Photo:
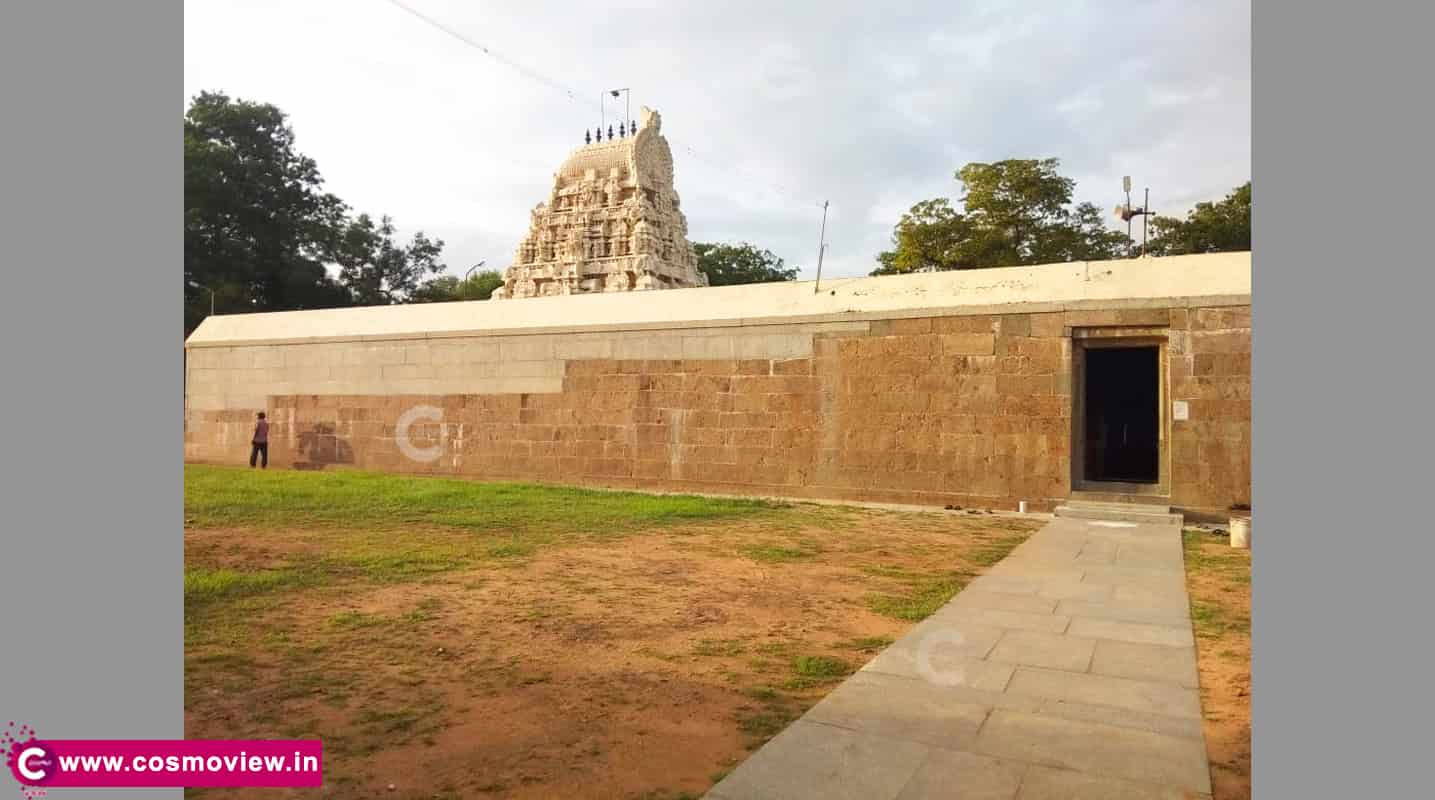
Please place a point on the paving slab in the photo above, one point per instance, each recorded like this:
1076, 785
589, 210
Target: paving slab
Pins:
1013, 620
1050, 650
1068, 671
822, 762
1124, 612
1046, 783
900, 708
1151, 697
1146, 662
1140, 632
1102, 750
964, 775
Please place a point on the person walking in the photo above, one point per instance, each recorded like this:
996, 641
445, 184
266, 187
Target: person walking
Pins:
260, 443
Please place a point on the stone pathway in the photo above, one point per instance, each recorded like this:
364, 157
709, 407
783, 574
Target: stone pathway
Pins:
1068, 671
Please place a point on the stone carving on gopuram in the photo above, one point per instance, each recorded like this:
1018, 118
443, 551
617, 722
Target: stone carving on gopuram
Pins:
611, 224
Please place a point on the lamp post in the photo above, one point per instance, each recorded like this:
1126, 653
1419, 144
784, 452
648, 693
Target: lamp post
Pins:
472, 268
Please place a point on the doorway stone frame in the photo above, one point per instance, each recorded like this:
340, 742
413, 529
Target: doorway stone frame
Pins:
1108, 337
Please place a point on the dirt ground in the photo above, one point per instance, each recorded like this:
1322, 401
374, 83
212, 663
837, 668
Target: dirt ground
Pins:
1218, 579
641, 666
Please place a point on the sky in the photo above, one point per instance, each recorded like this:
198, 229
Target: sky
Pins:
771, 108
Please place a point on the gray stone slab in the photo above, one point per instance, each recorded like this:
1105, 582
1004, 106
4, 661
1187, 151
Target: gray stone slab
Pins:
997, 618
971, 597
1068, 671
1163, 597
1007, 584
1037, 570
822, 762
1169, 580
964, 775
1125, 612
1151, 662
1074, 590
901, 708
1149, 697
1100, 750
1049, 650
1184, 727
1046, 783
1170, 635
945, 656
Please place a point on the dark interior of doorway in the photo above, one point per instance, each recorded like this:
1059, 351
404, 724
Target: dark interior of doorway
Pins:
1122, 414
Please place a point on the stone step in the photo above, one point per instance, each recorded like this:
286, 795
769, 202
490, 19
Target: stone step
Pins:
1119, 512
1121, 498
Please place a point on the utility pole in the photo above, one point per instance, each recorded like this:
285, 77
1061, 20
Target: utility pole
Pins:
1145, 212
821, 248
1126, 212
1130, 242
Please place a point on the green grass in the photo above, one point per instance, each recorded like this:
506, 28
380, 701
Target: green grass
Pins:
776, 554
922, 598
202, 584
230, 497
1228, 566
809, 671
867, 644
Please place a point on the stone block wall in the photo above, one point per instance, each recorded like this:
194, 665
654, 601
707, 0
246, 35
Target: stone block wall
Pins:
973, 410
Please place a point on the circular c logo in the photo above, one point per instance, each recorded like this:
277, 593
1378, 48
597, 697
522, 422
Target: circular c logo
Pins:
954, 676
406, 445
35, 764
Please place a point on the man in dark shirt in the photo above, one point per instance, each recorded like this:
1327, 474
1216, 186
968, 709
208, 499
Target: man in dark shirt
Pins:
261, 443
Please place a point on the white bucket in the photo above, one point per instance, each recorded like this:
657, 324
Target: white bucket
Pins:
1241, 532
1021, 507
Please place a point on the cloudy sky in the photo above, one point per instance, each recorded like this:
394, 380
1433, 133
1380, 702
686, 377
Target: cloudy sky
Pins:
770, 107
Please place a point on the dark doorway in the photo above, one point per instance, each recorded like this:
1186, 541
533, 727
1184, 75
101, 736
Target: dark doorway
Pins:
1122, 414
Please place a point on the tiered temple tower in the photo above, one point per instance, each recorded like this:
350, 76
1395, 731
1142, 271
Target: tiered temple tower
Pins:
611, 224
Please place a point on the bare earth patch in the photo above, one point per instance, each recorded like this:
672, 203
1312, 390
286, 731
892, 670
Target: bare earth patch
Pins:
1218, 578
641, 664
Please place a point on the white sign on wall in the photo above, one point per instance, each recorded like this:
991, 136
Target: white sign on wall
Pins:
1180, 411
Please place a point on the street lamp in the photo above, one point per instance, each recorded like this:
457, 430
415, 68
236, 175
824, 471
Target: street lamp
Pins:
472, 268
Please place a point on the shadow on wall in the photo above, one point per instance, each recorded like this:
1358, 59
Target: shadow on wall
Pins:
320, 446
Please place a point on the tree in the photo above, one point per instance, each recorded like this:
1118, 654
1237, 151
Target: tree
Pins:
727, 264
928, 237
257, 225
1014, 212
378, 271
1218, 227
448, 288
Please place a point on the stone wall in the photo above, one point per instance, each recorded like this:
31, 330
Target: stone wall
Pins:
972, 409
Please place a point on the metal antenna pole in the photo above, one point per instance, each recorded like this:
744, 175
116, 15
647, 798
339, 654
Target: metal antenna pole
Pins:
1130, 242
821, 247
1145, 212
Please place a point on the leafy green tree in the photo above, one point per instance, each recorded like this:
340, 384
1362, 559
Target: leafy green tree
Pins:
1015, 212
448, 288
1218, 227
729, 264
928, 237
257, 224
377, 270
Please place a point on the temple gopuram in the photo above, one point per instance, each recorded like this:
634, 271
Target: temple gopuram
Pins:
612, 222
